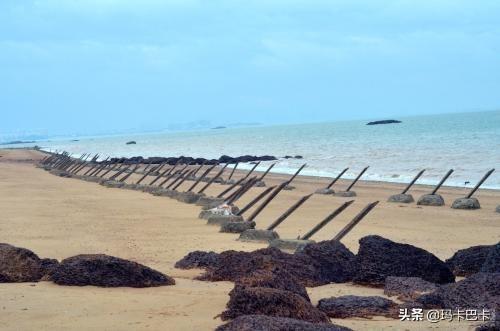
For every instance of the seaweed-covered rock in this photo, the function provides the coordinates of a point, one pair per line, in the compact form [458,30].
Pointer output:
[198,259]
[492,261]
[271,302]
[357,306]
[22,265]
[380,258]
[479,291]
[268,323]
[106,271]
[468,261]
[277,278]
[407,288]
[333,261]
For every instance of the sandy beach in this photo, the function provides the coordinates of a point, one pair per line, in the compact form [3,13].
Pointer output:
[60,217]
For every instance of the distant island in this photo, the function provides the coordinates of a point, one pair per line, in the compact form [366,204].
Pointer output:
[15,142]
[383,122]
[219,127]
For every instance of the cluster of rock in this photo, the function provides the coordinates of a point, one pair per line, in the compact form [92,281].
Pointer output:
[22,265]
[191,160]
[272,283]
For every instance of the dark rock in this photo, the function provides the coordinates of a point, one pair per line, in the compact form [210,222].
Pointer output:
[407,288]
[198,259]
[380,258]
[491,325]
[466,203]
[479,291]
[130,142]
[431,200]
[334,262]
[383,122]
[401,198]
[106,271]
[277,278]
[497,209]
[468,261]
[267,323]
[22,265]
[271,302]
[357,306]
[492,262]
[290,244]
[345,194]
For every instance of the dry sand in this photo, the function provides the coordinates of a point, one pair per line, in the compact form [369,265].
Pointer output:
[60,217]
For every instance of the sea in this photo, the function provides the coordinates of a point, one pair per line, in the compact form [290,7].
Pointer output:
[469,143]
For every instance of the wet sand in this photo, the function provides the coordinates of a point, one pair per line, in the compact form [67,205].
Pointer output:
[60,217]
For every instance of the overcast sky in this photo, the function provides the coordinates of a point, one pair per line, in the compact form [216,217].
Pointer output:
[88,65]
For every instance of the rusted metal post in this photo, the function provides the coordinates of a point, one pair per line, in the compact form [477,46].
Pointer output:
[480,183]
[356,180]
[267,201]
[124,178]
[252,170]
[241,191]
[355,221]
[327,220]
[205,173]
[337,178]
[171,175]
[288,212]
[184,173]
[113,167]
[144,176]
[230,187]
[232,171]
[184,178]
[213,179]
[296,174]
[92,167]
[438,186]
[160,175]
[413,181]
[119,172]
[266,172]
[255,200]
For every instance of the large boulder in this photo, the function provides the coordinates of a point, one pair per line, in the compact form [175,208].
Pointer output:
[268,323]
[380,258]
[468,261]
[22,265]
[277,278]
[198,259]
[407,288]
[271,302]
[349,306]
[479,291]
[106,271]
[492,261]
[334,262]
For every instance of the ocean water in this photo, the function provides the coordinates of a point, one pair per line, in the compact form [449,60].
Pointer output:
[469,143]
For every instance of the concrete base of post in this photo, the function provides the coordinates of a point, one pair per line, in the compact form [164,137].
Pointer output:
[236,227]
[229,182]
[289,188]
[260,183]
[188,197]
[113,184]
[431,200]
[165,193]
[60,173]
[401,198]
[222,219]
[290,244]
[325,191]
[254,235]
[148,189]
[209,202]
[345,194]
[218,180]
[92,179]
[466,203]
[498,209]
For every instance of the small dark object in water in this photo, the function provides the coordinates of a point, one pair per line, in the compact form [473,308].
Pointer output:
[349,306]
[407,288]
[22,265]
[380,258]
[466,262]
[106,271]
[131,142]
[268,323]
[198,259]
[383,122]
[271,302]
[218,127]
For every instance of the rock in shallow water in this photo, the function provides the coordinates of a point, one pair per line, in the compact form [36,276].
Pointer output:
[22,265]
[106,271]
[271,302]
[349,306]
[380,258]
[268,323]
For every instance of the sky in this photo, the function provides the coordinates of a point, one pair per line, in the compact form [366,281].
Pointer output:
[84,66]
